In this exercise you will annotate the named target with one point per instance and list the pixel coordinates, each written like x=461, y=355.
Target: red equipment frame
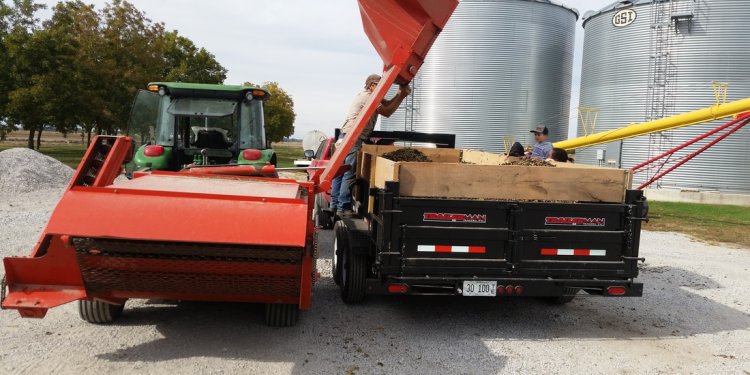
x=155, y=209
x=735, y=125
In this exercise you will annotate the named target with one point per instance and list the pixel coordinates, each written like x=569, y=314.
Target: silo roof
x=561, y=5
x=613, y=6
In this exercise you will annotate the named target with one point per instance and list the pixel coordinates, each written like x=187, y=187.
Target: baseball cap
x=540, y=129
x=370, y=79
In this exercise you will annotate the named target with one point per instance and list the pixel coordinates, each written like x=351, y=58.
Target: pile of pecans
x=407, y=154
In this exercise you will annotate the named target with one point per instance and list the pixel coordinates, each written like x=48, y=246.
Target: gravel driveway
x=693, y=318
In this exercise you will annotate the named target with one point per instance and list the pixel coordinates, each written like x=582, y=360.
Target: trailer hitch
x=643, y=260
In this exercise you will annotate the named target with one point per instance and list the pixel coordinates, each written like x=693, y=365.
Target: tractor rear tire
x=340, y=242
x=98, y=312
x=569, y=295
x=281, y=314
x=353, y=274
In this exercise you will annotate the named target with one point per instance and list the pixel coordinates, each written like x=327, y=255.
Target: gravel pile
x=23, y=170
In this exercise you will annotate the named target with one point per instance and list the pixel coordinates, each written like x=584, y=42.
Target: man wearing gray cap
x=542, y=148
x=341, y=195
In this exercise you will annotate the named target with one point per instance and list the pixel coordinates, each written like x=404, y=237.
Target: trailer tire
x=281, y=314
x=569, y=295
x=340, y=242
x=353, y=275
x=98, y=312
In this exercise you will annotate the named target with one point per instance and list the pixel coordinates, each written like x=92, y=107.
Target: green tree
x=73, y=32
x=24, y=46
x=184, y=62
x=131, y=56
x=5, y=77
x=278, y=112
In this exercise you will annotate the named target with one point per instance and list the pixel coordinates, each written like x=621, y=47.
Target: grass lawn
x=287, y=152
x=707, y=222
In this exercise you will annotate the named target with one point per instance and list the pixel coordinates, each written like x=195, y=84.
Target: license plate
x=480, y=288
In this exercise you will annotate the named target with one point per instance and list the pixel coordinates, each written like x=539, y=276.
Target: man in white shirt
x=341, y=195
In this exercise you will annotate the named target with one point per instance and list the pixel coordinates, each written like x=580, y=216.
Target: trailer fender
x=359, y=236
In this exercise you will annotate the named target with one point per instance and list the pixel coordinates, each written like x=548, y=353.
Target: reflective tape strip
x=460, y=249
x=451, y=249
x=575, y=252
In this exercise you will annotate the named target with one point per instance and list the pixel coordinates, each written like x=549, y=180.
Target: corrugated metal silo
x=498, y=69
x=649, y=59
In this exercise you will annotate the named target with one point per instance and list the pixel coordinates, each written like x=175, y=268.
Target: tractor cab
x=180, y=124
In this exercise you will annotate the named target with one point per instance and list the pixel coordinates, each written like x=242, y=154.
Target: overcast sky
x=316, y=50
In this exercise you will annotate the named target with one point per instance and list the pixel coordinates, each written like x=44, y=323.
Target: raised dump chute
x=402, y=33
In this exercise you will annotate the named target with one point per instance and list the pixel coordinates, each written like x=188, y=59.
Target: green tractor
x=179, y=124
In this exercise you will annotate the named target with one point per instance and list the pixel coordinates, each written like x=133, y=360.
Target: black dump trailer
x=488, y=248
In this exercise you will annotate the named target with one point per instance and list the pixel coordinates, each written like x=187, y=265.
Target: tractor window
x=144, y=117
x=202, y=107
x=253, y=133
x=205, y=123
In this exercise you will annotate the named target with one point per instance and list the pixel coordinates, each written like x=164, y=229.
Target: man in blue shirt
x=542, y=148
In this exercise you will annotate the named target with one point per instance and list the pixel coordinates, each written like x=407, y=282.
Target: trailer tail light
x=251, y=154
x=500, y=289
x=398, y=288
x=509, y=289
x=519, y=289
x=616, y=291
x=153, y=150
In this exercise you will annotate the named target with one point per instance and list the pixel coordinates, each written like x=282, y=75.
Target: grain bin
x=498, y=69
x=649, y=59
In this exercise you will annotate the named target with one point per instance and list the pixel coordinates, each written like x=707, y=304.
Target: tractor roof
x=199, y=89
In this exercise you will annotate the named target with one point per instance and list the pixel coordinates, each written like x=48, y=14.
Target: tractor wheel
x=281, y=314
x=99, y=312
x=340, y=242
x=569, y=295
x=353, y=273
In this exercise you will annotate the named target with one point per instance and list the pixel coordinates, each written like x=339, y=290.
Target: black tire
x=569, y=295
x=340, y=242
x=353, y=273
x=281, y=314
x=321, y=218
x=98, y=312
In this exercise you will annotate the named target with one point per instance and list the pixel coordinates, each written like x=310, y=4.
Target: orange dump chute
x=206, y=234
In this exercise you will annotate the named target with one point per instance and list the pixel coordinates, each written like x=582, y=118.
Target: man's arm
x=387, y=107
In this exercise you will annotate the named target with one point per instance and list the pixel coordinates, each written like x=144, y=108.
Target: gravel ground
x=693, y=318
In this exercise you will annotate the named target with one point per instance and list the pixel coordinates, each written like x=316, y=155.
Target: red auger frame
x=195, y=234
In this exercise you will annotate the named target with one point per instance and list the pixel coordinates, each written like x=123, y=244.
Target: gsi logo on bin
x=624, y=17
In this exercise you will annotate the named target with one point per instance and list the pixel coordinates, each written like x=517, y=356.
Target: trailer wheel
x=353, y=275
x=99, y=312
x=569, y=295
x=340, y=242
x=281, y=314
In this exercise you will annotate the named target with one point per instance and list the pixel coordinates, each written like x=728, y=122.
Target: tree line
x=80, y=69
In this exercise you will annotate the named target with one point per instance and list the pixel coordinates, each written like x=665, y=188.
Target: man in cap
x=542, y=148
x=341, y=195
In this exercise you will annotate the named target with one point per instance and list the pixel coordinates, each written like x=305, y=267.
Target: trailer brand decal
x=455, y=218
x=451, y=249
x=575, y=221
x=575, y=252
